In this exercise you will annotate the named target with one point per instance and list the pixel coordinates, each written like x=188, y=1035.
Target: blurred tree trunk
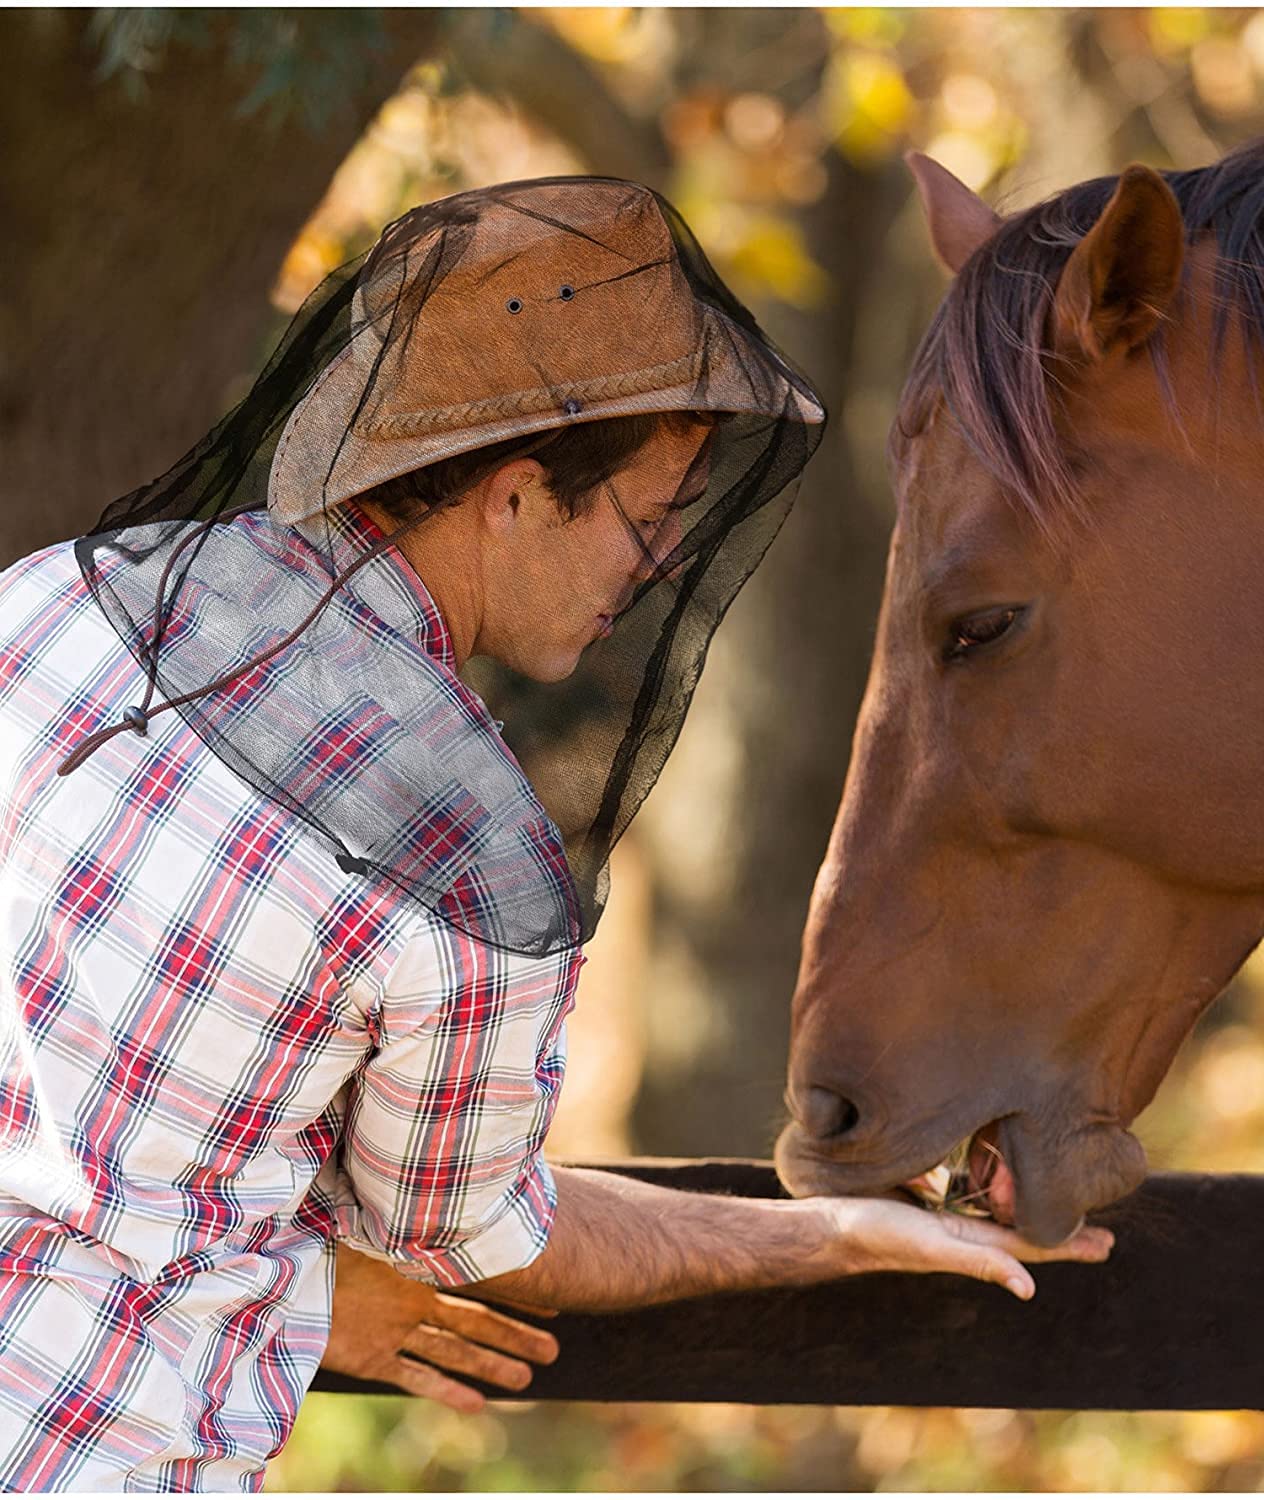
x=768, y=739
x=141, y=240
x=768, y=736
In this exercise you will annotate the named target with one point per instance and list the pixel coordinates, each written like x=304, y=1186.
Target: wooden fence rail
x=1175, y=1321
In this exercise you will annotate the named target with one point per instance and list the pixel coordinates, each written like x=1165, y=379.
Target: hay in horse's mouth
x=974, y=1178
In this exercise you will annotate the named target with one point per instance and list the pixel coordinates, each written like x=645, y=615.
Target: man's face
x=563, y=582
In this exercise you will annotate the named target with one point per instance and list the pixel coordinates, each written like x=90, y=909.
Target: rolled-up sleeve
x=446, y=1121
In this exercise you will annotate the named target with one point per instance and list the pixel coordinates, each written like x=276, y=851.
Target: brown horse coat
x=1049, y=857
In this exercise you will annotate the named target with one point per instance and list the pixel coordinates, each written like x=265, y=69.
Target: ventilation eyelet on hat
x=514, y=304
x=566, y=292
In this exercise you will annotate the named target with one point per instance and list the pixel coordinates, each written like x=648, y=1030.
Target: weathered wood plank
x=1175, y=1320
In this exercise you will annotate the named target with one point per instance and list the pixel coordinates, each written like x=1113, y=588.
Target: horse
x=1049, y=855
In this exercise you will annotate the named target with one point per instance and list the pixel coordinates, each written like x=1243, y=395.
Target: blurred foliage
x=298, y=70
x=760, y=114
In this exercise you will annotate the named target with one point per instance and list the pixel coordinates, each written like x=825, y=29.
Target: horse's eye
x=966, y=635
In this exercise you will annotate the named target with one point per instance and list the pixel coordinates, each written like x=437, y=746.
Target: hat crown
x=535, y=297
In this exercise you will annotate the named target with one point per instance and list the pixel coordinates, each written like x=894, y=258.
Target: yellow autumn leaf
x=866, y=104
x=606, y=33
x=309, y=260
x=873, y=24
x=773, y=258
x=1176, y=28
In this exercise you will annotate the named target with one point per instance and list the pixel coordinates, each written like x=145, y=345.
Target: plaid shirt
x=219, y=1052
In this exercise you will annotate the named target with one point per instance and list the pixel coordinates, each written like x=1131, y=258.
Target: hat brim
x=323, y=421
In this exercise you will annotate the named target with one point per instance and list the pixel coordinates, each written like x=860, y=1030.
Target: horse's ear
x=1120, y=278
x=959, y=220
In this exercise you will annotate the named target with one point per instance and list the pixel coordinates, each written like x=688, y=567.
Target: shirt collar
x=388, y=585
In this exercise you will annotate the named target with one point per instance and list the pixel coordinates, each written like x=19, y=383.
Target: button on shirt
x=219, y=1051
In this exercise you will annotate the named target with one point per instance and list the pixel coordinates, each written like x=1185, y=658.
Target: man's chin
x=556, y=670
x=555, y=667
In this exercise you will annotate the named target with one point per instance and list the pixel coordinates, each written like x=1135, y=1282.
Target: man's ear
x=1122, y=275
x=503, y=490
x=959, y=220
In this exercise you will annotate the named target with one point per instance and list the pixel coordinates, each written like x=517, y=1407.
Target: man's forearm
x=617, y=1242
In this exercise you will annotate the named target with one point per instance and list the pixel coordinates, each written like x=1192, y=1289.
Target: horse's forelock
x=985, y=356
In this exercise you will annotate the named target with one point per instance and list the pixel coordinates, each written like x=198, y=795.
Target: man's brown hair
x=576, y=461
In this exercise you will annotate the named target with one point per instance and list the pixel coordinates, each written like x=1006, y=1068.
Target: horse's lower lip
x=1064, y=1174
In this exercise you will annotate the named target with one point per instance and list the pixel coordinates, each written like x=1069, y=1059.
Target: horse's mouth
x=1043, y=1189
x=1006, y=1170
x=974, y=1179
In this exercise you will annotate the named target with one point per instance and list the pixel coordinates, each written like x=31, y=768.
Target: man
x=288, y=949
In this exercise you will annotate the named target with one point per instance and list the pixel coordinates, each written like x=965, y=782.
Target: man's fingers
x=530, y=1308
x=971, y=1256
x=900, y=1238
x=991, y=1252
x=422, y=1380
x=1013, y=1276
x=1090, y=1243
x=485, y=1326
x=439, y=1346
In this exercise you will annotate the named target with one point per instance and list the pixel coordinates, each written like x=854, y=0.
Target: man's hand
x=391, y=1328
x=877, y=1234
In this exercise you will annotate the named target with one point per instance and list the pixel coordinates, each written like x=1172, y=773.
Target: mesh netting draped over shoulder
x=282, y=638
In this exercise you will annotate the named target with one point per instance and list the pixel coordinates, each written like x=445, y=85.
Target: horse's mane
x=984, y=352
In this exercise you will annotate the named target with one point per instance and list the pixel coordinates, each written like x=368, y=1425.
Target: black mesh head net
x=539, y=404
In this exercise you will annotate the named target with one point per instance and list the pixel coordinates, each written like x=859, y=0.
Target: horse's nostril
x=826, y=1114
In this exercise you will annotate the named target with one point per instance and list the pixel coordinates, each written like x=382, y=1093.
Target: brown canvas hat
x=558, y=302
